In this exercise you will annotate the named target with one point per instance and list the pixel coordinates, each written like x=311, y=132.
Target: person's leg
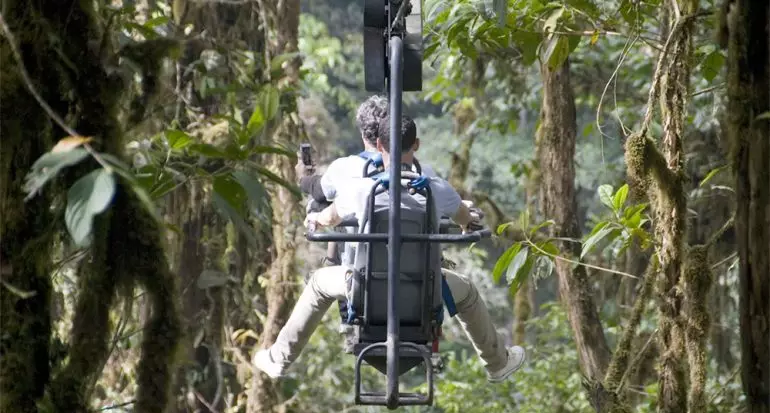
x=324, y=287
x=475, y=320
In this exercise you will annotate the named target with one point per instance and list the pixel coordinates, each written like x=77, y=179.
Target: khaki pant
x=328, y=284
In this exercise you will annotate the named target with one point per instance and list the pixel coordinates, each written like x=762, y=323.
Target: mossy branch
x=619, y=362
x=696, y=283
x=644, y=160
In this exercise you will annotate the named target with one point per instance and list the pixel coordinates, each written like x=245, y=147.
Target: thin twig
x=724, y=385
x=33, y=91
x=636, y=360
x=117, y=406
x=708, y=89
x=654, y=87
x=559, y=257
x=205, y=403
x=724, y=260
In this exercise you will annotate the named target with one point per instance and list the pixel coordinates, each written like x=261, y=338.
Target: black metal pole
x=394, y=232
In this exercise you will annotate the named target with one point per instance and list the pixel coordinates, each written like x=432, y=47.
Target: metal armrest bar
x=410, y=238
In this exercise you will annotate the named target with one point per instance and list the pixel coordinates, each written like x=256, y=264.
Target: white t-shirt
x=352, y=199
x=348, y=167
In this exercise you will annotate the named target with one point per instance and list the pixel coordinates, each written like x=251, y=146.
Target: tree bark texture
x=281, y=22
x=26, y=229
x=556, y=151
x=748, y=90
x=126, y=247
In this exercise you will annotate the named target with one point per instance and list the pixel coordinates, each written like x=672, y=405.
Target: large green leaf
x=89, y=196
x=619, y=199
x=556, y=51
x=228, y=212
x=504, y=261
x=177, y=139
x=517, y=263
x=277, y=179
x=519, y=270
x=712, y=65
x=255, y=191
x=231, y=191
x=596, y=236
x=48, y=166
x=605, y=195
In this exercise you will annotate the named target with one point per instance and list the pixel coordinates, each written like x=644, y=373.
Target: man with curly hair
x=322, y=188
x=330, y=283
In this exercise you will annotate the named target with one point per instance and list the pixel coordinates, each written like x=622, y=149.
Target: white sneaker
x=265, y=363
x=516, y=356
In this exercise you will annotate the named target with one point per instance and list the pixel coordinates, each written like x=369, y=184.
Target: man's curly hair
x=369, y=115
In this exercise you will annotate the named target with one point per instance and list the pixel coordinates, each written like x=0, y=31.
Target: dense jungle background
x=152, y=232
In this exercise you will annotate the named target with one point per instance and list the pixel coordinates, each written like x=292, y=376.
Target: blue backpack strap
x=446, y=294
x=375, y=157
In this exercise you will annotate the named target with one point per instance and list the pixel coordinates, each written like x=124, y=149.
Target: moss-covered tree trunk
x=27, y=229
x=556, y=151
x=126, y=247
x=281, y=22
x=658, y=171
x=748, y=90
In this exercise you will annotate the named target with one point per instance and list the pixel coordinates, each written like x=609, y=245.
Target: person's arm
x=345, y=204
x=328, y=217
x=449, y=203
x=311, y=185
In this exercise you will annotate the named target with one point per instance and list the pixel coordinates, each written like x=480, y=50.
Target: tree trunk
x=555, y=151
x=748, y=90
x=89, y=96
x=26, y=229
x=281, y=22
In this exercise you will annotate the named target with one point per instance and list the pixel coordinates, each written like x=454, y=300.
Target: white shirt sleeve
x=351, y=196
x=445, y=198
x=330, y=177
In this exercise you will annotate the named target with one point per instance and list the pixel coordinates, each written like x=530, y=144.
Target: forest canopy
x=151, y=218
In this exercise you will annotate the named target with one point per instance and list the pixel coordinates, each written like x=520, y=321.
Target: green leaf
x=556, y=51
x=271, y=99
x=548, y=247
x=278, y=61
x=228, y=212
x=89, y=196
x=141, y=193
x=231, y=191
x=177, y=139
x=255, y=191
x=165, y=185
x=712, y=65
x=597, y=236
x=517, y=264
x=528, y=43
x=712, y=174
x=211, y=279
x=605, y=195
x=48, y=166
x=277, y=179
x=521, y=274
x=256, y=122
x=263, y=149
x=504, y=261
x=552, y=21
x=619, y=199
x=18, y=291
x=762, y=116
x=502, y=227
x=207, y=150
x=540, y=226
